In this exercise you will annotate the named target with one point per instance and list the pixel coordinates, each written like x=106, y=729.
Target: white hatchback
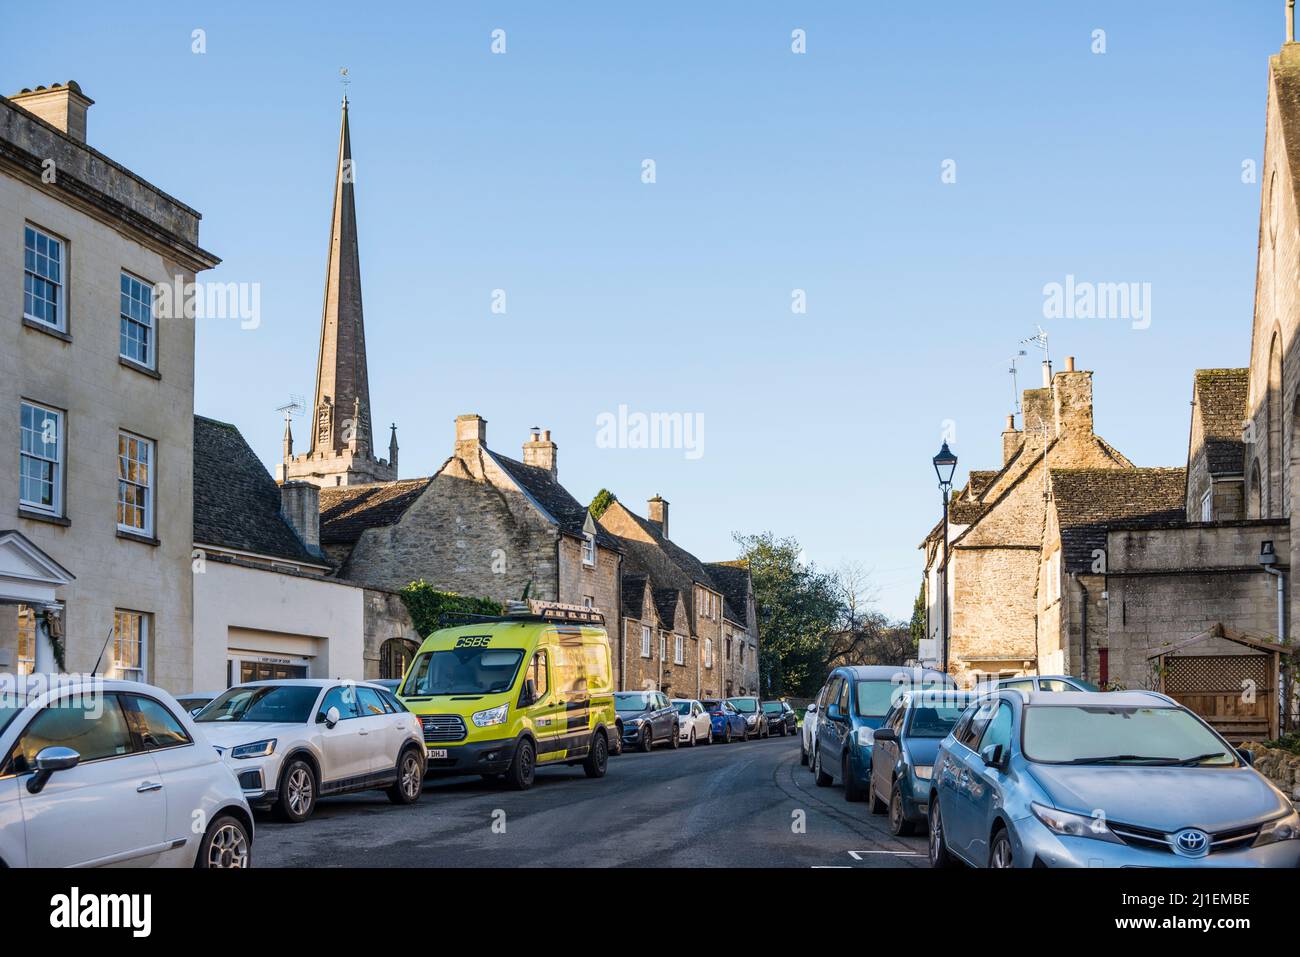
x=294, y=741
x=694, y=723
x=99, y=772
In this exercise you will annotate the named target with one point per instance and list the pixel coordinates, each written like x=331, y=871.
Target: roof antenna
x=1015, y=385
x=291, y=408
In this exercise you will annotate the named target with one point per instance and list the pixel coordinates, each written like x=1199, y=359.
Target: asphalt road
x=709, y=806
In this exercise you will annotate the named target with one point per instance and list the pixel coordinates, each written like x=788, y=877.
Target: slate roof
x=542, y=487
x=633, y=597
x=665, y=600
x=1090, y=501
x=1221, y=396
x=979, y=480
x=348, y=510
x=236, y=502
x=732, y=579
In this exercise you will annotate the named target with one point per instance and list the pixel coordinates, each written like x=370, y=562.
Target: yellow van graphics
x=502, y=697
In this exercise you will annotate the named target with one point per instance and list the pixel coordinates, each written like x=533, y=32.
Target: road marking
x=857, y=855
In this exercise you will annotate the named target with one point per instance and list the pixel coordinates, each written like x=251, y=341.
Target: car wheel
x=877, y=806
x=676, y=736
x=617, y=747
x=225, y=846
x=692, y=741
x=524, y=766
x=823, y=779
x=745, y=736
x=410, y=778
x=852, y=790
x=646, y=741
x=939, y=854
x=726, y=735
x=899, y=825
x=1000, y=854
x=297, y=797
x=598, y=757
x=803, y=753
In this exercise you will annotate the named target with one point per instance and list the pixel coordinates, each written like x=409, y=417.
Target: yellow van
x=501, y=697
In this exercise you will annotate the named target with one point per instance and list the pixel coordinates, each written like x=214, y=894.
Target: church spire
x=341, y=413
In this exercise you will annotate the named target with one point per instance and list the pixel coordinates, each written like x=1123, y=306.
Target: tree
x=603, y=500
x=919, y=615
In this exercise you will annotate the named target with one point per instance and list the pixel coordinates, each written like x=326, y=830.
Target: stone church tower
x=340, y=448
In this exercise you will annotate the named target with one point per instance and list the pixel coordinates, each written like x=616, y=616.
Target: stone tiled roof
x=1221, y=396
x=568, y=513
x=979, y=480
x=236, y=502
x=666, y=600
x=633, y=597
x=348, y=510
x=732, y=579
x=1090, y=501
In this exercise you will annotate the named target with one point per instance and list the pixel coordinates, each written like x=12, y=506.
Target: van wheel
x=598, y=757
x=225, y=846
x=297, y=797
x=524, y=766
x=410, y=779
x=823, y=779
x=646, y=741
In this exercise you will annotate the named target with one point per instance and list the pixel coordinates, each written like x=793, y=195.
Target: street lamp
x=945, y=464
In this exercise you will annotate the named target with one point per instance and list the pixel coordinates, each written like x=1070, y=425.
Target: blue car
x=903, y=754
x=728, y=723
x=857, y=699
x=1077, y=779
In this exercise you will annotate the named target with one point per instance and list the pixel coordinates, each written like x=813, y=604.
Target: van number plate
x=437, y=752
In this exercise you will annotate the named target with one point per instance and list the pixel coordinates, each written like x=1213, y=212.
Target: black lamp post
x=945, y=464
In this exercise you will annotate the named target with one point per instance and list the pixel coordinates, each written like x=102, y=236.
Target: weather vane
x=345, y=80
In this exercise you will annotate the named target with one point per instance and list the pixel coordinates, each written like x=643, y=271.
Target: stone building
x=739, y=628
x=340, y=443
x=95, y=551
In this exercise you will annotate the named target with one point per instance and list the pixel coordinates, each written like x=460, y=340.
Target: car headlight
x=1285, y=828
x=256, y=749
x=866, y=737
x=635, y=722
x=1074, y=825
x=923, y=772
x=491, y=716
x=752, y=720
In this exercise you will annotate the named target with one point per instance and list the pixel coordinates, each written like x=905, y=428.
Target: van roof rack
x=580, y=616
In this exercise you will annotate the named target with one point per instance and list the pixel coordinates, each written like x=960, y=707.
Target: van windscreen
x=463, y=671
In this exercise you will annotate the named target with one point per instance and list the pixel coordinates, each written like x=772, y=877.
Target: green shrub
x=427, y=605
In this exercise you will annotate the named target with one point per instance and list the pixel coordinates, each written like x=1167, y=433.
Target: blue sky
x=775, y=172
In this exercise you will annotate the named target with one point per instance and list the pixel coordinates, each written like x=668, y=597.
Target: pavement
x=746, y=804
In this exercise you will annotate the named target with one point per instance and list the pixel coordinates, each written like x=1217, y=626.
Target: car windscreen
x=875, y=697
x=712, y=705
x=1109, y=734
x=287, y=704
x=631, y=701
x=469, y=671
x=744, y=705
x=934, y=722
x=772, y=707
x=683, y=707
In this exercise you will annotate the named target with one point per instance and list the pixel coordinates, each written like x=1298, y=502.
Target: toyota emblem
x=1191, y=842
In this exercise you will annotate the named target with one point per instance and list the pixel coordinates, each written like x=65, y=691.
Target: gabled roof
x=633, y=595
x=348, y=510
x=666, y=600
x=732, y=579
x=236, y=502
x=553, y=498
x=1221, y=396
x=1089, y=501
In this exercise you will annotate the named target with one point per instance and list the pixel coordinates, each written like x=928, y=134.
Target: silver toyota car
x=1127, y=779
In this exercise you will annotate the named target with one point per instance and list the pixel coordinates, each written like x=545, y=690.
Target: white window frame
x=1207, y=506
x=140, y=672
x=645, y=641
x=708, y=652
x=55, y=509
x=61, y=284
x=588, y=548
x=150, y=486
x=150, y=338
x=663, y=647
x=679, y=651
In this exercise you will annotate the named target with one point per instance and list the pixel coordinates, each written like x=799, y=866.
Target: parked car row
x=650, y=718
x=1045, y=771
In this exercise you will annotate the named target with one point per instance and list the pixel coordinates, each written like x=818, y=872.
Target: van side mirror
x=49, y=760
x=529, y=693
x=884, y=734
x=332, y=717
x=992, y=755
x=833, y=712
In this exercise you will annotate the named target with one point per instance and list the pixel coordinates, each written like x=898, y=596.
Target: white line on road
x=857, y=855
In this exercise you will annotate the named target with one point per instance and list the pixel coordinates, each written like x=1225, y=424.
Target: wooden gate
x=1234, y=693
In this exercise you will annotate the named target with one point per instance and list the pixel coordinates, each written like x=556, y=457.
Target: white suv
x=291, y=742
x=97, y=772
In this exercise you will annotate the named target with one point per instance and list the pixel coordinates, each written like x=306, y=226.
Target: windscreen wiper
x=1116, y=758
x=1203, y=757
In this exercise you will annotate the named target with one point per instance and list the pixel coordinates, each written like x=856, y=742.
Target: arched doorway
x=395, y=655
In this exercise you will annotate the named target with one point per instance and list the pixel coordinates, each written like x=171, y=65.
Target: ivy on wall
x=427, y=605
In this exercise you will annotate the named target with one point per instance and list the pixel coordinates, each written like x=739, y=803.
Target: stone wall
x=386, y=617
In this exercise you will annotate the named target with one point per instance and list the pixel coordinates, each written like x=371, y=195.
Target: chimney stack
x=471, y=434
x=657, y=510
x=1012, y=439
x=300, y=506
x=1072, y=397
x=540, y=451
x=61, y=105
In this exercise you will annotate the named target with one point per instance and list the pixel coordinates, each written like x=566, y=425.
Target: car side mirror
x=884, y=734
x=194, y=712
x=1246, y=755
x=992, y=755
x=49, y=760
x=332, y=717
x=811, y=709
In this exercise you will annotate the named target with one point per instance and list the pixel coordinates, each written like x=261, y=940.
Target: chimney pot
x=61, y=104
x=539, y=451
x=1069, y=363
x=1047, y=374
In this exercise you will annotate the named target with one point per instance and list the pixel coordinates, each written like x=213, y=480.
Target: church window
x=135, y=484
x=136, y=341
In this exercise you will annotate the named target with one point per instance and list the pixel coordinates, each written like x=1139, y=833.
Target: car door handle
x=362, y=731
x=148, y=786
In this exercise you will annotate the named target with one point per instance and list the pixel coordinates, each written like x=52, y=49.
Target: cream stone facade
x=89, y=385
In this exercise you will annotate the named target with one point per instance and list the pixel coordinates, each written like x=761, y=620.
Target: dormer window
x=588, y=549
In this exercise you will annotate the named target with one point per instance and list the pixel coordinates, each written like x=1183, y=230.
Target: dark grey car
x=648, y=718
